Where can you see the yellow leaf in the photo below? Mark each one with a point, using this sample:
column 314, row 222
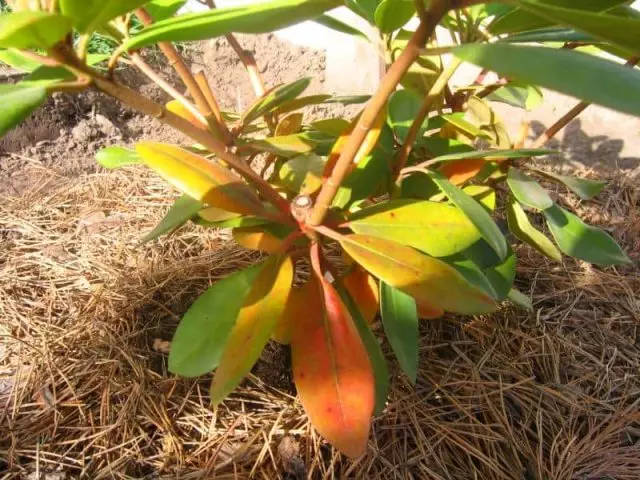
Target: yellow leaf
column 364, row 290
column 289, row 125
column 256, row 238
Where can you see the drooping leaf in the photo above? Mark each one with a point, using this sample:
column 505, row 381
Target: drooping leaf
column 273, row 98
column 256, row 18
column 404, row 106
column 518, row 94
column 199, row 178
column 475, row 212
column 32, row 29
column 594, row 80
column 182, row 210
column 521, row 227
column 89, row 15
column 303, row 174
column 17, row 102
column 201, row 336
column 435, row 228
column 257, row 238
column 339, row 26
column 116, row 157
column 376, row 357
column 620, row 31
column 163, row 9
column 391, row 15
column 262, row 307
column 427, row 279
column 364, row 291
column 586, row 189
column 332, row 372
column 179, row 109
column 400, row 321
column 579, row 240
column 527, row 190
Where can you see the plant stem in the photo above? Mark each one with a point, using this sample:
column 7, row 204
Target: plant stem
column 388, row 85
column 435, row 92
column 570, row 115
column 245, row 57
column 213, row 115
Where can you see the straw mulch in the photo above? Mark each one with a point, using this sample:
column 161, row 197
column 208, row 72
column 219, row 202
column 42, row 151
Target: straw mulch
column 84, row 390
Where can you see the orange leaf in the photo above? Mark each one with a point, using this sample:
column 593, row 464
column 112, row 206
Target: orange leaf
column 263, row 306
column 297, row 306
column 365, row 149
column 460, row 171
column 179, row 109
column 332, row 371
column 364, row 290
column 256, row 238
column 200, row 178
column 428, row 312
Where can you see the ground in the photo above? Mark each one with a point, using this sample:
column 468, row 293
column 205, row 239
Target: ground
column 86, row 313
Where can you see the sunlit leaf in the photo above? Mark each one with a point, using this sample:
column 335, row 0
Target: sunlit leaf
column 527, row 190
column 292, row 145
column 458, row 172
column 475, row 212
column 400, row 321
column 289, row 125
column 303, row 174
column 274, row 97
column 256, row 18
column 483, row 194
column 518, row 94
column 550, row 34
column 427, row 279
column 594, row 80
column 391, row 15
column 339, row 26
column 331, row 126
column 494, row 155
column 404, row 106
column 435, row 228
column 480, row 114
column 262, row 307
column 201, row 336
column 179, row 109
column 17, row 102
column 586, row 189
column 364, row 290
column 116, row 157
column 29, row 29
column 16, row 60
column 522, row 228
column 215, row 215
column 297, row 307
column 257, row 238
column 182, row 210
column 365, row 8
column 299, row 103
column 199, row 178
column 163, row 9
column 332, row 371
column 579, row 240
column 89, row 15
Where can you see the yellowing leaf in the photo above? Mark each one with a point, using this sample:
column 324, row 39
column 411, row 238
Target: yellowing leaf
column 303, row 174
column 289, row 125
column 365, row 292
column 367, row 146
column 256, row 238
column 199, row 178
column 430, row 281
column 179, row 109
column 214, row 214
column 429, row 312
column 458, row 172
column 263, row 306
column 332, row 371
column 297, row 306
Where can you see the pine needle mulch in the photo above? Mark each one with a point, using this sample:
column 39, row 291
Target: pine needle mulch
column 84, row 390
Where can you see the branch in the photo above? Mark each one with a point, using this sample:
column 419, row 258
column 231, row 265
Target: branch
column 388, row 85
column 571, row 114
column 435, row 92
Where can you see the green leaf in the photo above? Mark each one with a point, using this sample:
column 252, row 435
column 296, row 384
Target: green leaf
column 493, row 155
column 435, row 228
column 499, row 273
column 624, row 32
column 17, row 102
column 261, row 309
column 89, row 15
column 365, row 8
column 527, row 190
column 480, row 114
column 331, row 126
column 293, row 145
column 522, row 228
column 27, row 29
column 391, row 15
column 404, row 106
column 518, row 94
column 339, row 26
column 400, row 320
column 17, row 60
column 483, row 194
column 584, row 188
column 182, row 210
column 475, row 212
column 163, row 9
column 303, row 174
column 198, row 343
column 273, row 98
column 376, row 357
column 552, row 35
column 257, row 18
column 579, row 240
column 593, row 79
column 520, row 299
column 116, row 157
